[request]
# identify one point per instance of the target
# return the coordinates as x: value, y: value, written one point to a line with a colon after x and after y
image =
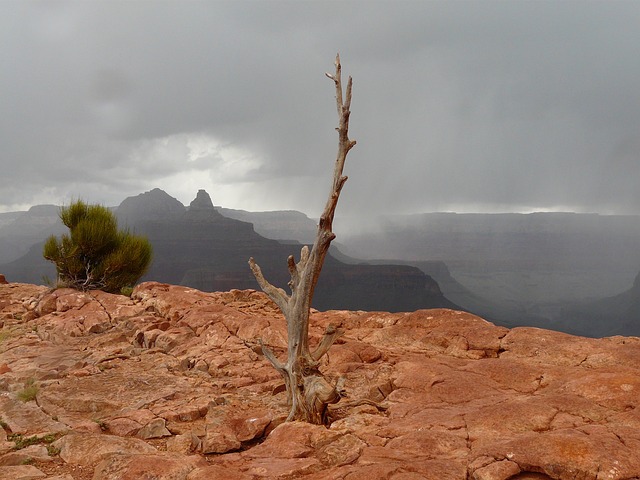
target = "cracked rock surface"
x: 171, y: 384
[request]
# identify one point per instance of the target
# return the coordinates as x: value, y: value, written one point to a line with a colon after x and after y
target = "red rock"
x: 68, y: 298
x: 216, y: 472
x: 531, y: 476
x: 181, y: 412
x: 3, y: 281
x: 249, y: 426
x: 216, y: 335
x: 47, y: 304
x: 495, y: 421
x: 367, y: 353
x: 618, y: 390
x: 219, y: 439
x: 156, y: 428
x: 369, y: 472
x: 200, y: 317
x: 169, y: 301
x: 161, y: 466
x: 575, y: 453
x: 173, y: 337
x: 253, y: 329
x: 21, y: 472
x: 549, y: 347
x: 119, y: 307
x: 26, y: 455
x: 227, y: 428
x: 123, y: 427
x: 342, y: 359
x: 500, y: 470
x: 282, y: 467
x: 89, y: 449
x: 430, y: 443
x: 27, y: 418
x: 463, y: 396
x: 180, y: 444
x: 345, y: 450
x: 291, y: 440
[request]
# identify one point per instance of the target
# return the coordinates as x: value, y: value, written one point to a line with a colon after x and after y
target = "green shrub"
x: 23, y: 442
x: 53, y: 451
x: 126, y: 291
x: 95, y: 254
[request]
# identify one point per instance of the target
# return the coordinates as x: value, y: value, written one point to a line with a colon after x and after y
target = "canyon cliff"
x: 200, y: 248
x: 561, y: 271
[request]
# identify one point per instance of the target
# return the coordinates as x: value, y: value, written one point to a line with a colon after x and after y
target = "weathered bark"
x: 309, y: 392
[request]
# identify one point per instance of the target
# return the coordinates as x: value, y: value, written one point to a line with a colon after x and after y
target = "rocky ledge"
x: 171, y: 384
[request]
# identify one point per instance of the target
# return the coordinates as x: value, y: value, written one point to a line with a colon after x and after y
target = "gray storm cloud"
x: 471, y: 106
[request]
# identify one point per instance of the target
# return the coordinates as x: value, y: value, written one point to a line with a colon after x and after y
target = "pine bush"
x: 96, y: 254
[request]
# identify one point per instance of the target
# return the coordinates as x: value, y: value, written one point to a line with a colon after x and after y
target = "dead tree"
x: 309, y: 392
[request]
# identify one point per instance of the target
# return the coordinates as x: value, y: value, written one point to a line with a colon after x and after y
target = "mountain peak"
x: 153, y: 205
x: 201, y: 208
x: 201, y: 202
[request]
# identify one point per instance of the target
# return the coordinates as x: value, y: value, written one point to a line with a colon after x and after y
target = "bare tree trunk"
x: 308, y: 391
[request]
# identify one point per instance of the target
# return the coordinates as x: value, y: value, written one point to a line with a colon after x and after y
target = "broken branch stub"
x: 308, y: 391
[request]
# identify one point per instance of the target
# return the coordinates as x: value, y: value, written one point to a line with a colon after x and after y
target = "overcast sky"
x: 457, y: 106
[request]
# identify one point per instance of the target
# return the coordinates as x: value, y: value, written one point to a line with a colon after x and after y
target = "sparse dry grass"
x: 29, y: 392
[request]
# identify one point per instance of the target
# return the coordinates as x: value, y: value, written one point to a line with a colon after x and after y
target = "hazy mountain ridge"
x: 155, y: 205
x: 199, y: 247
x: 565, y: 271
x: 536, y: 268
x: 541, y: 241
x: 600, y: 313
x: 8, y: 218
x: 285, y: 225
x: 20, y: 230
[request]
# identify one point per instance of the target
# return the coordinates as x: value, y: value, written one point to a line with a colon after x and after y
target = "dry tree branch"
x: 308, y: 391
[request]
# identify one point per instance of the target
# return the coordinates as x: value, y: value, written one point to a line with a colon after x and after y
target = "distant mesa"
x: 201, y: 208
x: 150, y: 206
x: 200, y: 248
x: 20, y: 230
x: 44, y: 210
x: 158, y: 206
x: 201, y: 202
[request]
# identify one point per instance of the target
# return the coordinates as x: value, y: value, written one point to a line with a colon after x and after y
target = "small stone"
x: 166, y: 466
x: 89, y: 449
x: 217, y: 472
x: 201, y: 366
x: 156, y: 428
x: 180, y: 444
x: 502, y: 470
x: 25, y: 455
x: 220, y: 439
x: 21, y: 472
